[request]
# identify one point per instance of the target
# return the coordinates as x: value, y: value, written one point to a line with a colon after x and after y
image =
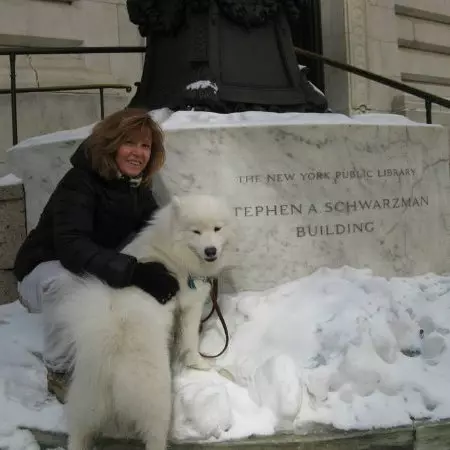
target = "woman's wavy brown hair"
x: 113, y: 131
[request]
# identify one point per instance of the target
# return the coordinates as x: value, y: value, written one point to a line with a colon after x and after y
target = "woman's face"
x: 132, y: 157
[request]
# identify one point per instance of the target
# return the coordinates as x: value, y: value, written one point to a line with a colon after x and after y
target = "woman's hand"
x: 156, y: 280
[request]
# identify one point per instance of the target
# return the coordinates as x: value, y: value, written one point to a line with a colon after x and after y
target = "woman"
x: 101, y: 202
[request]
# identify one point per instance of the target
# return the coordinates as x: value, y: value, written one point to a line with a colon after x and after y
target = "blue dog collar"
x: 191, y: 281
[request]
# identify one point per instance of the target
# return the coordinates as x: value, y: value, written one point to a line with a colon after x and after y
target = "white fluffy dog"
x: 122, y: 337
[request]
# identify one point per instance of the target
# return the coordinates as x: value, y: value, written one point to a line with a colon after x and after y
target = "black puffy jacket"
x: 84, y: 223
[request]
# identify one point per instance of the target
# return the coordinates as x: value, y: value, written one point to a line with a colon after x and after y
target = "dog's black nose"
x: 210, y: 252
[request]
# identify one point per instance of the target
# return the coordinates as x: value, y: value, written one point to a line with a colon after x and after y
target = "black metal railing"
x: 428, y: 98
x: 12, y: 53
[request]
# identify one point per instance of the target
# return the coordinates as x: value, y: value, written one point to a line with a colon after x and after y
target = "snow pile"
x: 23, y: 389
x: 340, y: 347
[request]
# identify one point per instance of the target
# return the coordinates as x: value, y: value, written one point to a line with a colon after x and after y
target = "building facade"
x: 59, y: 23
x: 407, y: 40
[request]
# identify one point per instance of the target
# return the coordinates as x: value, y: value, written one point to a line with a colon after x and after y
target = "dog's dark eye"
x: 216, y: 229
x: 196, y: 231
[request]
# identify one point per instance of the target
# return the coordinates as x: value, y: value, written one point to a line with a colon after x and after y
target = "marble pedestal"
x: 305, y: 195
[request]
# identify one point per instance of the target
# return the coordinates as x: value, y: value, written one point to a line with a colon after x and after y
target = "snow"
x: 23, y: 390
x: 181, y: 120
x: 315, y: 88
x: 341, y: 347
x: 10, y: 180
x: 202, y: 84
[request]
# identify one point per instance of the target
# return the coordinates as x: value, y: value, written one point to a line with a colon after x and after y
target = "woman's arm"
x: 73, y: 220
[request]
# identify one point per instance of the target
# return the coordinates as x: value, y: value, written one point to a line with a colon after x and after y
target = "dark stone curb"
x: 417, y: 436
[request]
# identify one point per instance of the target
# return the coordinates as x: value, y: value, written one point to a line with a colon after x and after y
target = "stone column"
x: 12, y: 233
x: 362, y: 33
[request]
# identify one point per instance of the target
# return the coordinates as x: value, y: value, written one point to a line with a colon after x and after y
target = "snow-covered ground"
x: 340, y: 347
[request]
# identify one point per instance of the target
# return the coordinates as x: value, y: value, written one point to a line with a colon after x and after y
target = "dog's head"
x: 202, y: 227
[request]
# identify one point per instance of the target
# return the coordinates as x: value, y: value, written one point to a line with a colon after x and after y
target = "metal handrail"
x: 76, y: 87
x: 428, y: 97
x: 14, y: 52
x: 7, y: 51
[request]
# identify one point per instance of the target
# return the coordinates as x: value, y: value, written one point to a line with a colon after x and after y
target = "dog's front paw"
x: 197, y: 362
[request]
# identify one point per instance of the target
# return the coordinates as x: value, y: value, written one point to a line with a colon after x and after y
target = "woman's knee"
x: 40, y: 287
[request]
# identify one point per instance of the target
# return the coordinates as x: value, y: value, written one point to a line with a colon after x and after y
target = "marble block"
x: 305, y: 195
x: 309, y: 196
x: 40, y: 169
x: 12, y: 220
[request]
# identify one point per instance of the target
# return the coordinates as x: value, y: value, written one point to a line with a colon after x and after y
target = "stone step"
x: 432, y: 436
x: 414, y: 108
x: 437, y: 89
x: 438, y: 117
x: 400, y: 438
x: 420, y: 435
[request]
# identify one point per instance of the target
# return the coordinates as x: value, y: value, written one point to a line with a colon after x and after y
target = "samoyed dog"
x: 123, y: 337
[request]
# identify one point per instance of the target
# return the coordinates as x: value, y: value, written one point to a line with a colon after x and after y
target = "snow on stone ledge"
x: 10, y: 180
x: 179, y: 120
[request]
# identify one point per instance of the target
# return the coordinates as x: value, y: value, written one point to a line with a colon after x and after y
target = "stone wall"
x: 76, y: 23
x: 42, y: 112
x: 59, y: 23
x: 424, y: 50
x: 12, y: 233
x: 362, y: 33
x: 406, y: 40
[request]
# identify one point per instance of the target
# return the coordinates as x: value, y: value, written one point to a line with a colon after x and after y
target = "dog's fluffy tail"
x: 91, y: 325
x: 121, y: 363
x: 106, y: 324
